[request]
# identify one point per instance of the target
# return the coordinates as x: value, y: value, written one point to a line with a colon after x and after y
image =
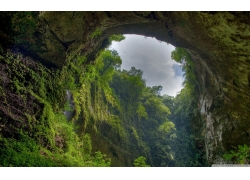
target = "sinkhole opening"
x: 153, y: 57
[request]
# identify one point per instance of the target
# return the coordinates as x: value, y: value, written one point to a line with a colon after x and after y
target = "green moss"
x: 96, y: 33
x: 23, y: 26
x: 49, y: 138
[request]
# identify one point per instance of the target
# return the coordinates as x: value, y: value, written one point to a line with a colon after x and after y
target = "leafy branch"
x: 241, y: 156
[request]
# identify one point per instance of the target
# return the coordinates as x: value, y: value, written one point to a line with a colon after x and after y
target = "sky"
x: 154, y: 59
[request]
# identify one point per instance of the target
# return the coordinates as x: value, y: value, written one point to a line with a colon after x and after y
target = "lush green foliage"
x: 139, y: 119
x: 94, y: 95
x: 40, y: 135
x: 142, y: 114
x: 140, y: 162
x: 22, y: 152
x: 241, y: 155
x: 116, y: 37
x: 188, y: 146
x: 182, y: 56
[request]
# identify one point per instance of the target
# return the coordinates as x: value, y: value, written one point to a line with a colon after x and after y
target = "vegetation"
x: 241, y: 155
x: 23, y: 26
x: 108, y: 102
x: 142, y: 123
x: 39, y: 135
x: 96, y: 33
x: 186, y: 117
x: 116, y: 37
x: 114, y: 104
x: 140, y: 162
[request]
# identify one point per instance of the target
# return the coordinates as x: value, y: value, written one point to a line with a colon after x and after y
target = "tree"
x: 141, y: 112
x: 135, y: 72
x: 180, y: 55
x: 156, y: 90
x: 110, y: 60
x: 166, y: 128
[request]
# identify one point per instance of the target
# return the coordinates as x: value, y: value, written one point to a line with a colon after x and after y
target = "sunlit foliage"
x: 140, y: 162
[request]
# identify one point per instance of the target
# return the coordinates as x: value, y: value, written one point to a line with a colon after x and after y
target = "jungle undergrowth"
x: 40, y: 135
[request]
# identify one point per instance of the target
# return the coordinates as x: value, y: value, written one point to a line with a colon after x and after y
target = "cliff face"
x: 218, y: 43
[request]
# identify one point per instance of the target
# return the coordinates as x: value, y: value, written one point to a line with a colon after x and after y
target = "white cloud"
x: 154, y: 58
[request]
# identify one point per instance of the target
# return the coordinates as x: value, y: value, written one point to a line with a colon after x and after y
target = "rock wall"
x: 217, y: 41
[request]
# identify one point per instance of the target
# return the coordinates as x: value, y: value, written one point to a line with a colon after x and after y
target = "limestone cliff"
x: 217, y: 41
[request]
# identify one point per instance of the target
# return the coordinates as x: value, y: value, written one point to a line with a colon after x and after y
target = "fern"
x: 242, y: 155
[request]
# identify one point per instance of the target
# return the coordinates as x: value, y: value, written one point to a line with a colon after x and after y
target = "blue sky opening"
x: 153, y: 57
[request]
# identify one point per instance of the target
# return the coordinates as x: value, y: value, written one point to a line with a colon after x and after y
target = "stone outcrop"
x: 219, y: 43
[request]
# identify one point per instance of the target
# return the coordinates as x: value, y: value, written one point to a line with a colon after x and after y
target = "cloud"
x: 154, y: 58
x: 177, y: 69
